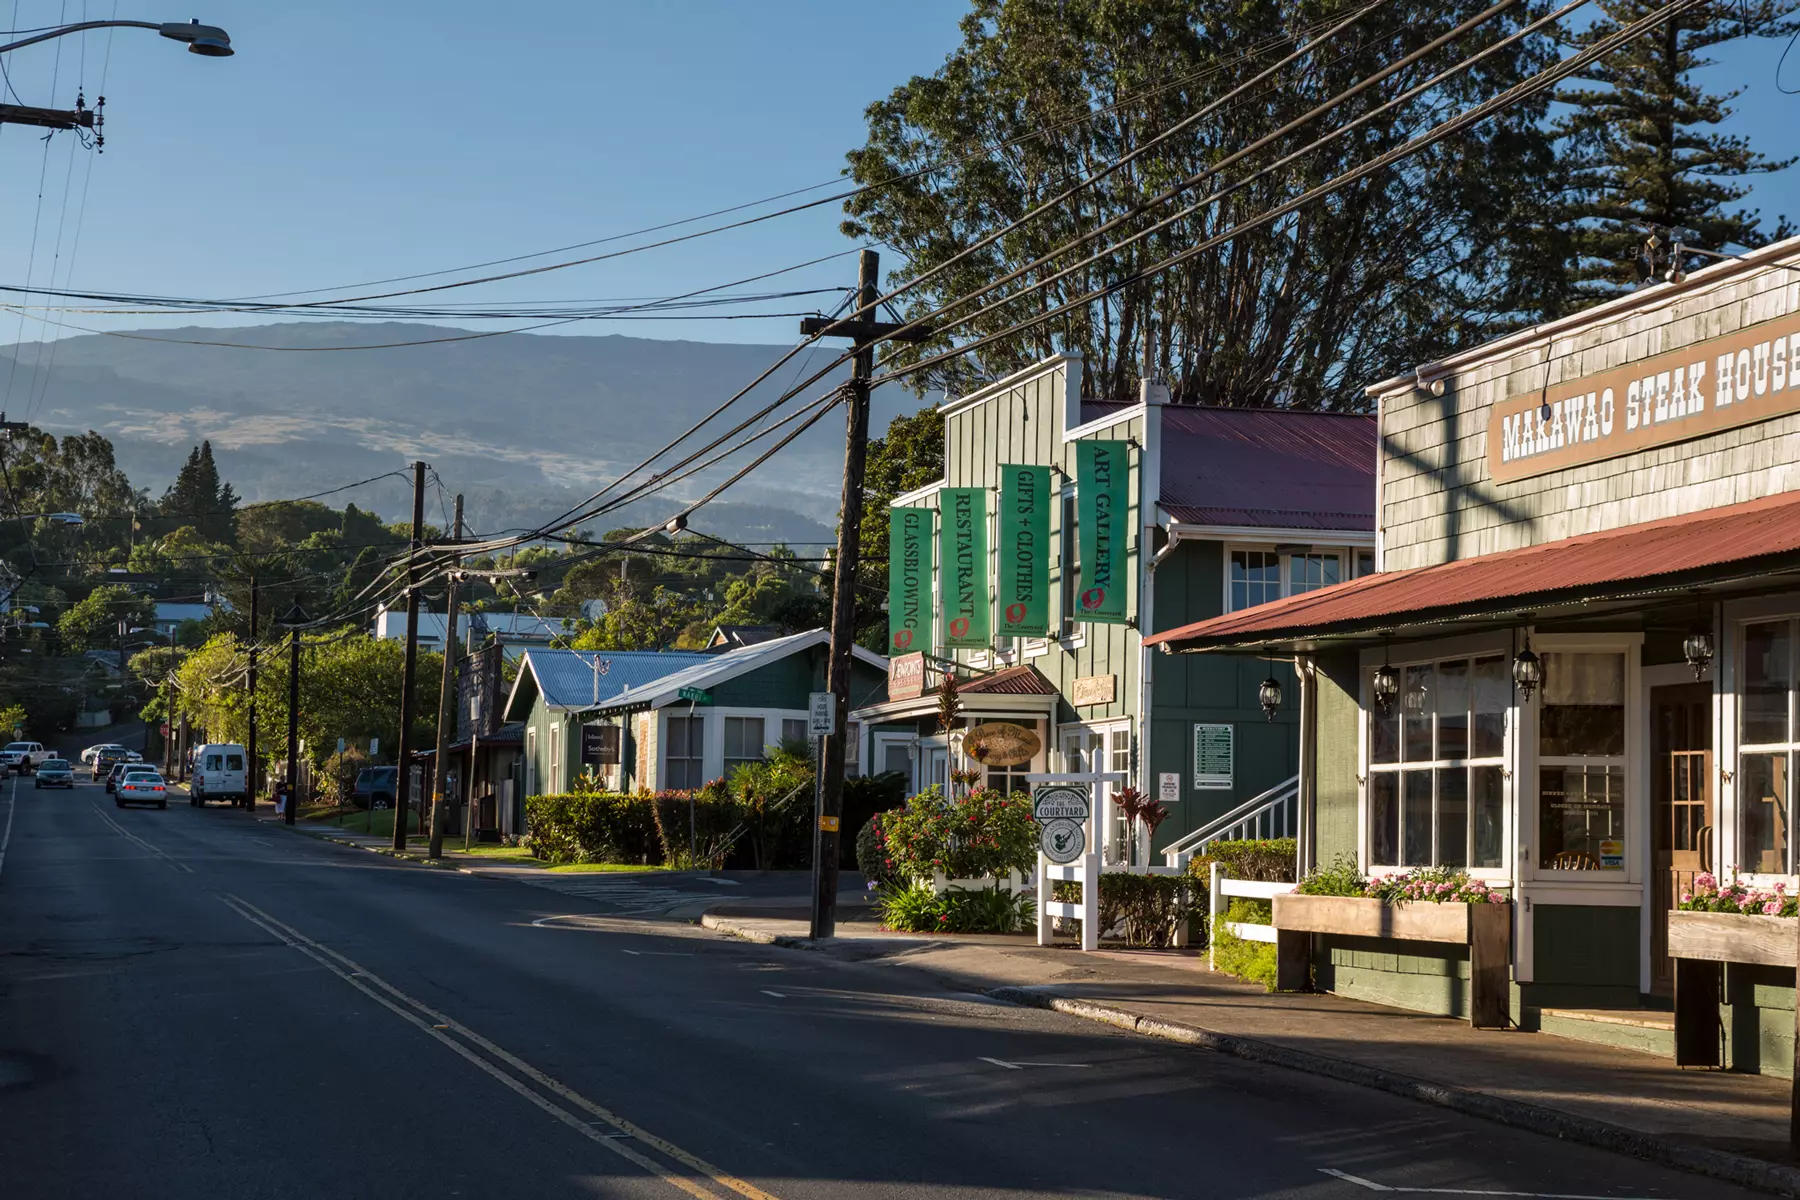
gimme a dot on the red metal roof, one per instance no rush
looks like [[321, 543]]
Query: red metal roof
[[1268, 467], [1683, 551], [1013, 681]]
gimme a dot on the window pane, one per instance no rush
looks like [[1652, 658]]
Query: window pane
[[1416, 688], [1453, 709], [1582, 818], [1493, 694], [1768, 674], [793, 730], [1488, 815], [1384, 819], [1763, 800], [1584, 705], [896, 758], [743, 737], [1415, 834], [1453, 817]]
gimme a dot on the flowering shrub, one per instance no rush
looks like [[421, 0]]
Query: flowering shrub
[[989, 910], [982, 833], [1736, 897], [1431, 885]]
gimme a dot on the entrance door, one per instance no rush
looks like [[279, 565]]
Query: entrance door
[[1085, 750], [934, 764], [1682, 807]]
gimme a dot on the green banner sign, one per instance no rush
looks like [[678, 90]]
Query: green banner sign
[[964, 571], [1102, 474], [909, 580], [1024, 579]]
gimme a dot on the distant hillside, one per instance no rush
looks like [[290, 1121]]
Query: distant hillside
[[524, 424]]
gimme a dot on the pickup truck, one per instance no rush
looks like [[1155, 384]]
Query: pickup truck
[[24, 757]]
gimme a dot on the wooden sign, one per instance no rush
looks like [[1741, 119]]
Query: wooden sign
[[1094, 689], [1722, 383], [906, 677], [1002, 744]]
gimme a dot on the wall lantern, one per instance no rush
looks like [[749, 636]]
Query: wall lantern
[[1269, 696], [1386, 687], [1528, 670], [1697, 648]]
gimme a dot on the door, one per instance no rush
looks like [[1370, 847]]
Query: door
[[1084, 750], [1682, 808], [934, 764]]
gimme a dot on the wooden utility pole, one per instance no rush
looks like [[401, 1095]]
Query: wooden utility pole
[[403, 780], [866, 332], [250, 788], [296, 617], [446, 698]]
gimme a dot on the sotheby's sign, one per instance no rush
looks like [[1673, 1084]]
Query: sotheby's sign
[[1722, 383]]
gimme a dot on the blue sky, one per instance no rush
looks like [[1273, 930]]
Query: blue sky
[[350, 141]]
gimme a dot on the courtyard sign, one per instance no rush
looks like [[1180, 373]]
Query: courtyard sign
[[1722, 383]]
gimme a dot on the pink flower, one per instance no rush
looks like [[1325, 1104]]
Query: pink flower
[[1772, 908], [1705, 881], [1496, 898]]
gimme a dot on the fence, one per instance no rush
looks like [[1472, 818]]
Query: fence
[[1219, 892]]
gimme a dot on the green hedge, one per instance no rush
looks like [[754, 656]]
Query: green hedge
[[1145, 909], [592, 827], [1270, 860]]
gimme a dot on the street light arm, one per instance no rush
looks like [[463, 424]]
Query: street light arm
[[83, 27], [207, 40]]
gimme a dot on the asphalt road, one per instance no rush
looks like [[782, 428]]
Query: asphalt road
[[196, 1004]]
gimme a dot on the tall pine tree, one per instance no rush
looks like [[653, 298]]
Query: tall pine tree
[[1643, 151], [200, 499]]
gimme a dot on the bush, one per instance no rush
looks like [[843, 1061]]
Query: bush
[[866, 796], [979, 834], [1270, 860], [1431, 885], [703, 819], [1145, 910], [989, 910], [774, 801], [1341, 878], [337, 779], [1234, 955], [592, 827], [871, 857]]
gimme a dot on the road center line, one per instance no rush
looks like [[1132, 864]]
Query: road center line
[[132, 837], [1372, 1186], [425, 1017]]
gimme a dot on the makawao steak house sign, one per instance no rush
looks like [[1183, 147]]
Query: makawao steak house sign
[[1739, 379]]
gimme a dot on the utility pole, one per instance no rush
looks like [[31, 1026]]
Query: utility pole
[[863, 329], [446, 698], [295, 618], [250, 788], [403, 780]]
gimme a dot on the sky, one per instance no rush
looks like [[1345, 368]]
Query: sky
[[349, 141]]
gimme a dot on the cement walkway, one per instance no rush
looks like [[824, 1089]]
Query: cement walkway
[[1726, 1125]]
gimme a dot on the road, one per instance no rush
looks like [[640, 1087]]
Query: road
[[193, 1003]]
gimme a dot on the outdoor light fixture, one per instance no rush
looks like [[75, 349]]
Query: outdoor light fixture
[[1386, 687], [1697, 648], [1269, 696], [1528, 670]]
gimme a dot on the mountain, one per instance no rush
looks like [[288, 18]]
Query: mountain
[[524, 424]]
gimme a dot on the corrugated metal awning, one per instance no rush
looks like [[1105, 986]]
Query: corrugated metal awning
[[1744, 544]]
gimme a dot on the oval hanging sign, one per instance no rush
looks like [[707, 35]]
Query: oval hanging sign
[[1002, 744]]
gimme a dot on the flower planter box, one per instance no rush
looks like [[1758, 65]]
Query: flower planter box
[[1486, 929], [1701, 943]]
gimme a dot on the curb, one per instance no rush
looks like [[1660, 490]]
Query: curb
[[404, 855], [1569, 1127]]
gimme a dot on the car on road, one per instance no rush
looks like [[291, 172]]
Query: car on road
[[92, 752], [218, 774], [375, 787], [54, 772], [23, 757], [120, 769], [142, 785], [106, 760]]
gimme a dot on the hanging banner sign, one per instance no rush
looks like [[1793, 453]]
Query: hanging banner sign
[[965, 567], [1024, 583], [1102, 473], [909, 579]]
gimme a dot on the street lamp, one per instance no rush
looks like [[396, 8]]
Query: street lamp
[[208, 40]]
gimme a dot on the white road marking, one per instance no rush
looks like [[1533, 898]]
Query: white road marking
[[720, 882], [132, 837], [1019, 1066], [1372, 1186], [777, 995], [633, 953], [12, 806]]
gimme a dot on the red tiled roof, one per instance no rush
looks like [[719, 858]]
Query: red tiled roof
[[1013, 681], [1682, 551]]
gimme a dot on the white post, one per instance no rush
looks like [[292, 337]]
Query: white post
[[1043, 898], [1215, 910], [1090, 901]]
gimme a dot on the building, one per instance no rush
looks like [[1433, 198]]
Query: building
[[516, 631], [1214, 510], [1574, 673], [668, 719]]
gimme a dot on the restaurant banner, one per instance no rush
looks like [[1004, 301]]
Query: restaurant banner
[[1024, 583], [964, 572], [909, 579], [1102, 472]]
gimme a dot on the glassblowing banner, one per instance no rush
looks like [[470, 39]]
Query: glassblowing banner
[[909, 579], [1102, 471], [964, 571], [1024, 582]]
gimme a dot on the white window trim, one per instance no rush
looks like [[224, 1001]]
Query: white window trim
[[1727, 732], [1346, 557], [712, 733]]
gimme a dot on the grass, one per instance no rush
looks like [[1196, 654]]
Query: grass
[[592, 868], [353, 820]]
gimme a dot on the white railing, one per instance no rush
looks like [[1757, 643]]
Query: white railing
[[1220, 890], [1269, 815]]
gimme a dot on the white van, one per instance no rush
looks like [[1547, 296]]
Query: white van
[[218, 774]]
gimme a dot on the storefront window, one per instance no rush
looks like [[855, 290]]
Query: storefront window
[[1436, 794], [1769, 738], [1581, 762]]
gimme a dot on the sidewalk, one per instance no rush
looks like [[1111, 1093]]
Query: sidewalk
[[1729, 1126]]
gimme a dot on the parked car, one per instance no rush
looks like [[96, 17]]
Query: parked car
[[218, 774], [141, 785], [23, 757], [55, 772], [375, 787], [88, 755], [108, 758]]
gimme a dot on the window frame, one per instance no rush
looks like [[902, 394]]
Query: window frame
[[1741, 748], [728, 763], [1284, 556], [669, 758]]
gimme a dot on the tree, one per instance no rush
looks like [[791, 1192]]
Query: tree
[[1642, 154], [92, 623], [199, 498], [1402, 267]]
